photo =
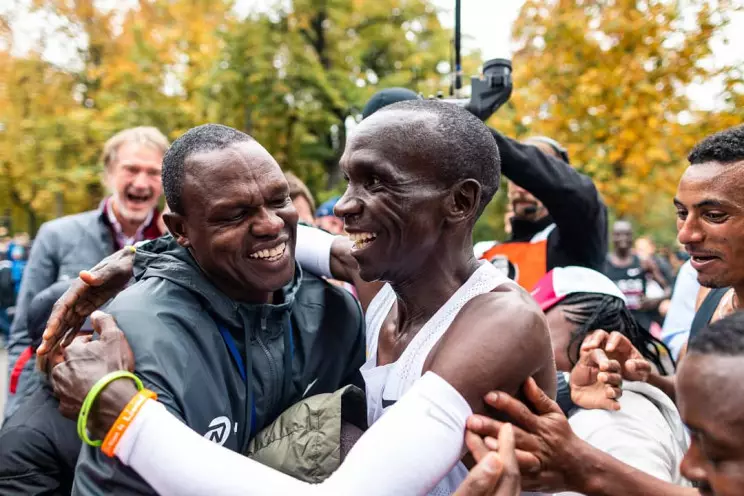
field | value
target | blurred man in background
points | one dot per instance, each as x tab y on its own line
632	273
63	247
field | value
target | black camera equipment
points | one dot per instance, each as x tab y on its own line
488	92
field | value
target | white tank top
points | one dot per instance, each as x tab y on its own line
387	383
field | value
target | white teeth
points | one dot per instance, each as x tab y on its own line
270	254
361	239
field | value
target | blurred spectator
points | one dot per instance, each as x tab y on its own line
326	220
302	199
132	162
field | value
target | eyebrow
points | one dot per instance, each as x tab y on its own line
704	203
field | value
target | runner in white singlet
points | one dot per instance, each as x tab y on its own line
386	384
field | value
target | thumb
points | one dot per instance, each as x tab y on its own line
104	324
483	477
91	278
541	401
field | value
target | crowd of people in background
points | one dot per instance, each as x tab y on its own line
268	335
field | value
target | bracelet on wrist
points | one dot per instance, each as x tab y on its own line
125	418
82	422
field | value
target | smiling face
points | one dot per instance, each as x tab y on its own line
710	402
710	221
238	220
392	207
134	180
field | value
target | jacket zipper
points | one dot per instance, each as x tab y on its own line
272	368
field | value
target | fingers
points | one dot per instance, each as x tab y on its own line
92	277
490	430
510	474
483	478
542	403
476	445
594	340
105	325
618	343
638	370
515	409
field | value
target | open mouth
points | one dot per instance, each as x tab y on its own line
138	199
362	240
270	254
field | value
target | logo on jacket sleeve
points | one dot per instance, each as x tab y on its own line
219	430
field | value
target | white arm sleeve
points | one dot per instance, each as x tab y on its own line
313	250
408	451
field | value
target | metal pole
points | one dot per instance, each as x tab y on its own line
458	61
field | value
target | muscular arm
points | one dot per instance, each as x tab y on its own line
497	341
570	197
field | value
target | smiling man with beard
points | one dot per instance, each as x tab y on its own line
65	246
223	325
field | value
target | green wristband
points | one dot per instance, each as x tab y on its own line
82	422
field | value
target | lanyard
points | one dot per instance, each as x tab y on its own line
232	347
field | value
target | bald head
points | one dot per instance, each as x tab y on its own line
453	143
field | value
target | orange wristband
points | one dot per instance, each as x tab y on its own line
125	418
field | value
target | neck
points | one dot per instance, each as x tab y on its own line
252	298
128	227
424	293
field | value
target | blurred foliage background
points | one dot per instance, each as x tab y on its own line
606	78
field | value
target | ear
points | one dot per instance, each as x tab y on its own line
176	224
463	201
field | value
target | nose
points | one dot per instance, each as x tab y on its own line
267	224
141	180
347	206
689	231
692	467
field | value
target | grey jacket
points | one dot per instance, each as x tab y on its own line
171	317
62	248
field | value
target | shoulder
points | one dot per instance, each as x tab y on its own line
507	307
153	310
63	225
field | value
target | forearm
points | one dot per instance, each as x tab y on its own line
415	444
604	475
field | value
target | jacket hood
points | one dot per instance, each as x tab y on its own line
164	258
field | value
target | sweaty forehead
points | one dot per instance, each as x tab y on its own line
709	393
713	180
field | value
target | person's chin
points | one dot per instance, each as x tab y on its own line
713	281
273	275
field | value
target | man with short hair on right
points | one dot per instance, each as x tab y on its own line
65	246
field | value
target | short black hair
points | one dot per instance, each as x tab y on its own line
592	311
199	139
463	147
723	337
725	147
